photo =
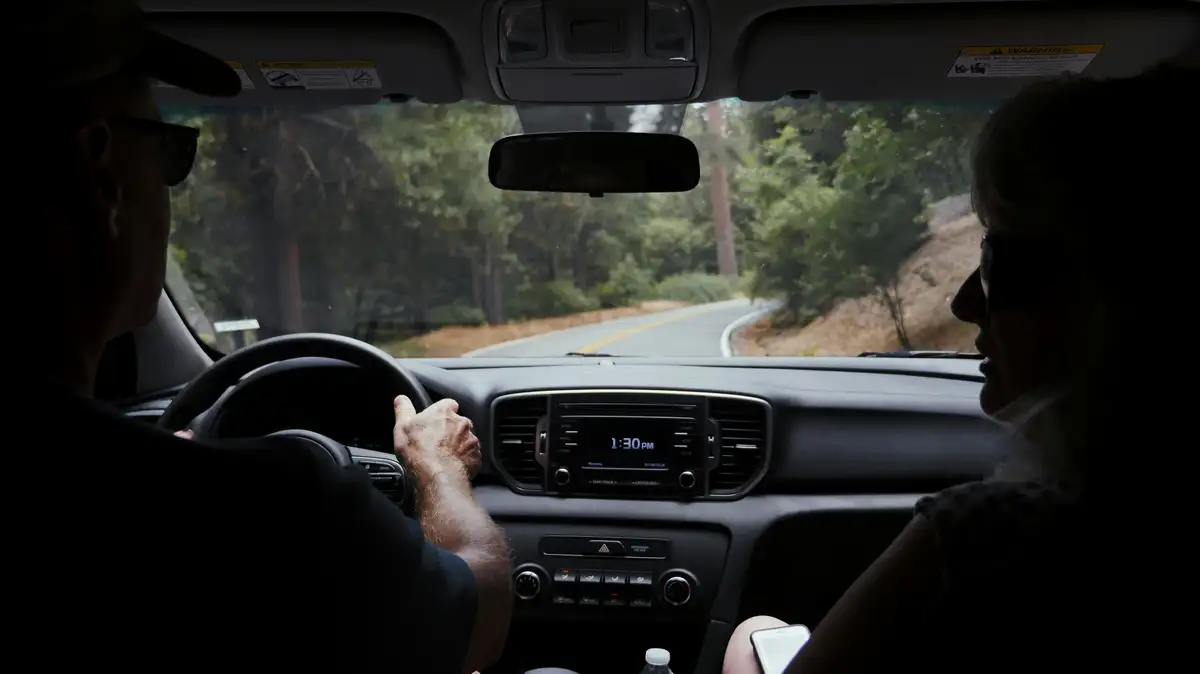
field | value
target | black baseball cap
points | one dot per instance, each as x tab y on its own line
82	41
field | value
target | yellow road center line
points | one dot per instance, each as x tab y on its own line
618	336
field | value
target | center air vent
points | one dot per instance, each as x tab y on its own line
516	426
743	425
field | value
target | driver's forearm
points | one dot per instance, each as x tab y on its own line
454	521
450	517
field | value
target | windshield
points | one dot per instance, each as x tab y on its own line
816	229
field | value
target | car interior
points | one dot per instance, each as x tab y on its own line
791	473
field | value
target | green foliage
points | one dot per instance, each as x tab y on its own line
457	314
628	282
553	298
695	288
379	222
838	195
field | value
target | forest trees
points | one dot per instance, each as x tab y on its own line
379	222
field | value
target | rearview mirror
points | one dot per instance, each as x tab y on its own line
594	162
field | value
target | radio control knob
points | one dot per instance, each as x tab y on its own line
687	479
677	591
562	477
527	585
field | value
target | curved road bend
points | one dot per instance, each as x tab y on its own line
689	332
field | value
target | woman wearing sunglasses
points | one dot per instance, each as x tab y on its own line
1057	562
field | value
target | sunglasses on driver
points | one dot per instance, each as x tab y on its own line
177	144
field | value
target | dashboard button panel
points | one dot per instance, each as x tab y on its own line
580	583
607	588
626	548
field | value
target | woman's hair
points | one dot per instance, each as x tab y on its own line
1104	168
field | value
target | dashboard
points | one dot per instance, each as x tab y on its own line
658	502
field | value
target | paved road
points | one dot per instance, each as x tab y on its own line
692	331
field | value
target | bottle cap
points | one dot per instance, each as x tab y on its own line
658	657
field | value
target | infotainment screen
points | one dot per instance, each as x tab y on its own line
625	442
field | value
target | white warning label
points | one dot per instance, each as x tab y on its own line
1023	60
320	75
236	325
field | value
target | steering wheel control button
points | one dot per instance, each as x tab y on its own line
562	477
614	577
677	591
590	577
641	579
605	548
527	585
687	479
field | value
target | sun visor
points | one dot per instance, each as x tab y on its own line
320	59
959	52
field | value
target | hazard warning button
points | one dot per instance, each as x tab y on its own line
605	548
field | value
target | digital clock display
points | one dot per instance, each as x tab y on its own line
632	444
629	442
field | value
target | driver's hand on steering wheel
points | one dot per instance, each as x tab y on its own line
436	440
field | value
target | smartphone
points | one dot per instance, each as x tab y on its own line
776	647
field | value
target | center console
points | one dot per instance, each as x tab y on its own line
586	572
592	595
631	443
657	445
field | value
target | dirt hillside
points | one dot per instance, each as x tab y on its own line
929	280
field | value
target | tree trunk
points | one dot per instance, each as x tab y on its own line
292	314
494	283
722	216
890	297
477	287
288	260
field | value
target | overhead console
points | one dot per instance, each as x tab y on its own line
631	443
595	51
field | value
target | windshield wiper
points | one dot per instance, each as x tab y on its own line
590	354
921	354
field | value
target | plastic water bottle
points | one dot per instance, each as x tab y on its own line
657	660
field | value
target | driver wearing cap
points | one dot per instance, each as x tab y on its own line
132	547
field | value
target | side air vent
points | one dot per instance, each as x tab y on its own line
744	438
515	424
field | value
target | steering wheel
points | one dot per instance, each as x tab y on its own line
202	393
